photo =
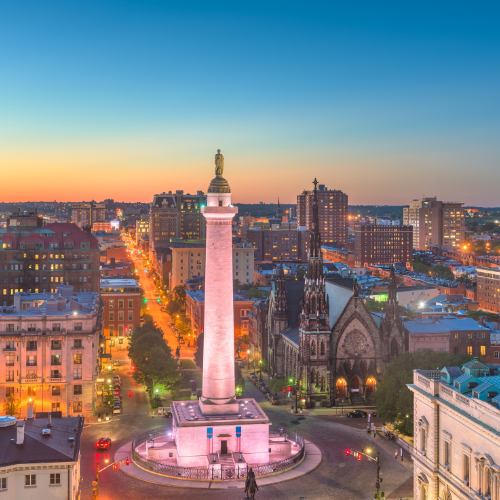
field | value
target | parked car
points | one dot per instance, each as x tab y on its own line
251	374
117	409
264	389
275	400
357	414
103	443
116	362
117	378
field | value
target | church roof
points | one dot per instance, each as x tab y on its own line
292	333
294	290
338	296
378	317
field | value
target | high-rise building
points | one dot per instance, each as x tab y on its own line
332	213
435	223
488	288
37	259
381	244
141	229
176	216
275	244
85	214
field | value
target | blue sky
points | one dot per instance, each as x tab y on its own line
386	101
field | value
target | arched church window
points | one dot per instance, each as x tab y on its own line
322	383
322	348
317	379
312	376
313	348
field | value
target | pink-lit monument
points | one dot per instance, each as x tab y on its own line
218	428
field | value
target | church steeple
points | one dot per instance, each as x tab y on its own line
278	210
315	302
281	299
392	315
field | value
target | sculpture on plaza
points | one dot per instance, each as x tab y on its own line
251	484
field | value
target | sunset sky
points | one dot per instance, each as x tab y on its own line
386	101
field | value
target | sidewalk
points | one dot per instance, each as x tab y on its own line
390	447
311	461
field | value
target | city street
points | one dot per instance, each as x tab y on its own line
339	476
161	318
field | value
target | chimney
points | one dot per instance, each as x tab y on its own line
481	320
20	432
496	325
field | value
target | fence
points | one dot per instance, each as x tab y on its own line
224	473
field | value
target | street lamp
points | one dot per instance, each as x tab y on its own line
260	370
248	359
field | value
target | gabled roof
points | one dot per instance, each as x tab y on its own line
454	371
463	378
338	297
294	291
292	333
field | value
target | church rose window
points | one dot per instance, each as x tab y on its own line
355	343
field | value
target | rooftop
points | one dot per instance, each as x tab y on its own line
443	325
63	444
118	282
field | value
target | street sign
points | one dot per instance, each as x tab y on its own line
238	432
210	432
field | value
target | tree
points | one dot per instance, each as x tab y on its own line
376	306
421	268
173	307
442	272
393	398
276	385
179	295
11	405
475	315
255	293
152	358
241	343
300	273
198	355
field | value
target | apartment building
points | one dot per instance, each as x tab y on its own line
488	288
86	214
332	214
141	229
176	216
456	433
39	258
435	223
49	344
277	243
383	244
122	311
189	262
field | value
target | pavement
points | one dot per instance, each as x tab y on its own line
311	461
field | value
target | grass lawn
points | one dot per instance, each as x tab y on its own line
188	364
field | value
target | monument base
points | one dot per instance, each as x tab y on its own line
211	407
241	437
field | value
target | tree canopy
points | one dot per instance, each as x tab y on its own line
179	295
11	405
173	307
152	358
393	398
255	293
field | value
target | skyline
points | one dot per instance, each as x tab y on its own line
121	100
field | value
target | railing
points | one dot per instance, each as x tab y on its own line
224	473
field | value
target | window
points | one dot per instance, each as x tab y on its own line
31	345
56	406
30	480
9	391
111	330
77	390
77	373
55	359
32	327
77	359
497	354
9	360
77	406
483	350
56	327
56	390
120	304
30	360
78	326
10	327
120	330
130	304
130	315
469	350
31	391
9	375
3	483
466	467
78	343
111	304
55	345
111	316
120	315
447	453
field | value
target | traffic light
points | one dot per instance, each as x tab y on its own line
127	461
284	390
347	452
145	300
359	456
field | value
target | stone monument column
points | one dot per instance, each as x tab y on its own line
218	389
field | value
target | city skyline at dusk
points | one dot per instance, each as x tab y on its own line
129	100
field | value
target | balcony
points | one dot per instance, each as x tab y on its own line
31	380
56	380
12	349
31	364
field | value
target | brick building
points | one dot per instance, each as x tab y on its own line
50	344
122	311
38	258
332	214
382	244
257	330
277	243
174	216
488	288
195	310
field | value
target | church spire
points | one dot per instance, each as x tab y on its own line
281	299
315	260
392	314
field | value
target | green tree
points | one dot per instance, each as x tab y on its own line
393	398
255	293
300	273
198	355
443	272
421	267
241	344
173	307
475	315
375	306
179	295
152	358
11	405
276	385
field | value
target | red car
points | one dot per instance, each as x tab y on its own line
103	444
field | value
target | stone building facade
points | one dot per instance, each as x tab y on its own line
324	337
456	454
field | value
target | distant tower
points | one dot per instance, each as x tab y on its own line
279	320
218	389
278	210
